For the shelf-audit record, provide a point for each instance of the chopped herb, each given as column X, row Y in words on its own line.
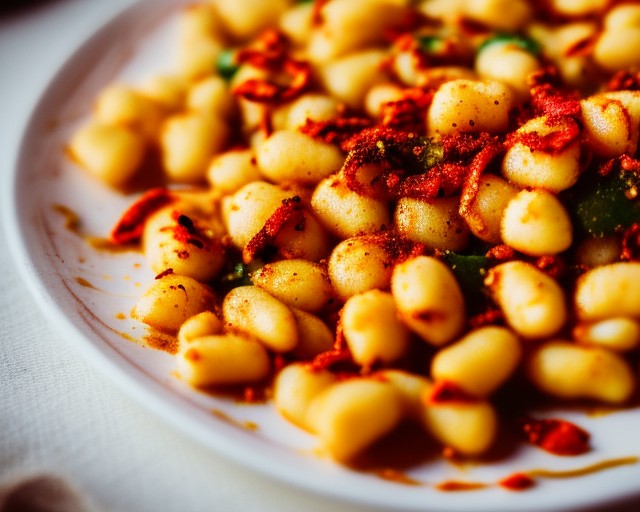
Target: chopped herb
column 428, row 152
column 469, row 270
column 605, row 205
column 418, row 154
column 431, row 44
column 226, row 64
column 239, row 276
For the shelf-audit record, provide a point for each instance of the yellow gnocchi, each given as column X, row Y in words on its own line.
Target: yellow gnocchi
column 387, row 212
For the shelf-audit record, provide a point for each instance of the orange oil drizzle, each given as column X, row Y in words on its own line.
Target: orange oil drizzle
column 245, row 425
column 587, row 470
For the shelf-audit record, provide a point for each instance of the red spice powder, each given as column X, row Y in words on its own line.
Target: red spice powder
column 336, row 131
column 631, row 243
column 550, row 98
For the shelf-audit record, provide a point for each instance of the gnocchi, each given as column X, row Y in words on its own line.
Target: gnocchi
column 379, row 219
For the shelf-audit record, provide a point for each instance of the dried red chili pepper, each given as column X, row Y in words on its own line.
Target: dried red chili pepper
column 471, row 183
column 272, row 56
column 131, row 225
column 264, row 91
column 559, row 437
column 290, row 209
column 269, row 52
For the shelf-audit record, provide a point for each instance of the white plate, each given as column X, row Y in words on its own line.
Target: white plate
column 88, row 294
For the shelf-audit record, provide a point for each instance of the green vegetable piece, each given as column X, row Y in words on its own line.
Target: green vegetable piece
column 428, row 153
column 523, row 42
column 226, row 64
column 469, row 270
column 431, row 44
column 239, row 276
column 603, row 206
column 417, row 154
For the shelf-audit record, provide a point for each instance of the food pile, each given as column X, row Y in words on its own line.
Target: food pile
column 376, row 212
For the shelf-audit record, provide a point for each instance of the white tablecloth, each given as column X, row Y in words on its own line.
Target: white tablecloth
column 60, row 418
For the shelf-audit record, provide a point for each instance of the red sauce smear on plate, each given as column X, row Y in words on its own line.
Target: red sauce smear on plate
column 556, row 436
column 517, row 482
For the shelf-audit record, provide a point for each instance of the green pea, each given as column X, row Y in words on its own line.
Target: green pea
column 226, row 64
column 523, row 42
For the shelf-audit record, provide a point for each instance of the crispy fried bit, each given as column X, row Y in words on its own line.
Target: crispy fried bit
column 336, row 131
column 398, row 154
column 289, row 210
column 624, row 81
column 187, row 231
column 621, row 163
column 631, row 243
column 551, row 142
column 408, row 113
column 501, row 253
column 554, row 266
column 550, row 98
